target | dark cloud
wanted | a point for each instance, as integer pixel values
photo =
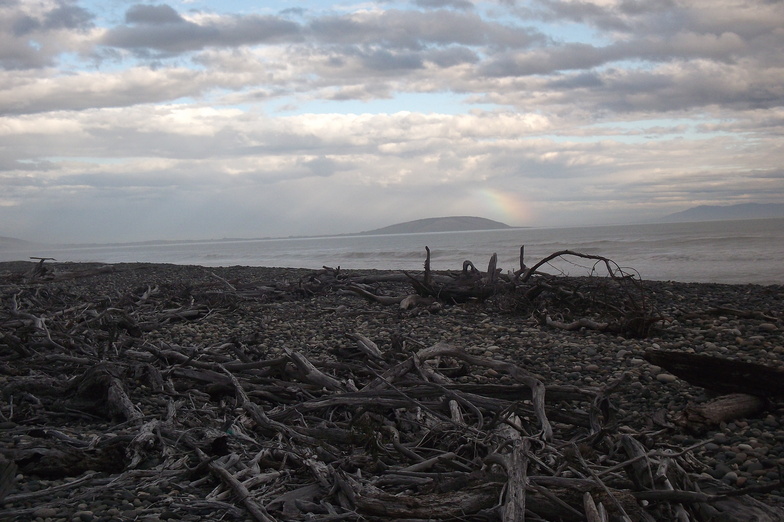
(438, 4)
(68, 17)
(726, 47)
(152, 15)
(25, 25)
(162, 30)
(383, 60)
(690, 86)
(624, 16)
(33, 38)
(451, 56)
(64, 16)
(548, 60)
(416, 30)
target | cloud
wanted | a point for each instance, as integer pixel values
(415, 30)
(438, 4)
(153, 15)
(160, 29)
(34, 35)
(24, 94)
(275, 121)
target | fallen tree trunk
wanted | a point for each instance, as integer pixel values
(719, 374)
(701, 417)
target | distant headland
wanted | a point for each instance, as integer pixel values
(727, 212)
(440, 224)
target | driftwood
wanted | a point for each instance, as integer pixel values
(381, 432)
(617, 301)
(610, 299)
(719, 374)
(7, 476)
(701, 417)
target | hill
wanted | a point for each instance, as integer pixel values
(11, 243)
(721, 212)
(440, 224)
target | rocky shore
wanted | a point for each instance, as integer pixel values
(251, 314)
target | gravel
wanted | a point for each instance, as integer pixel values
(699, 318)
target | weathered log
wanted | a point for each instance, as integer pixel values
(7, 476)
(576, 325)
(243, 495)
(701, 417)
(516, 465)
(381, 299)
(366, 345)
(593, 513)
(56, 460)
(514, 371)
(312, 374)
(472, 499)
(719, 374)
(469, 285)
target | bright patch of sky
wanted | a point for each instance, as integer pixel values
(657, 129)
(425, 103)
(86, 159)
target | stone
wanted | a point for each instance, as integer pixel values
(83, 516)
(730, 478)
(45, 512)
(752, 465)
(722, 469)
(666, 378)
(721, 438)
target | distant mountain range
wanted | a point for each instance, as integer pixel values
(727, 212)
(440, 224)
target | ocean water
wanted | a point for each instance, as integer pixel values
(747, 251)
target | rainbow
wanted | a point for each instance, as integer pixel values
(506, 206)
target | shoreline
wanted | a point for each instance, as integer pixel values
(258, 313)
(732, 252)
(22, 265)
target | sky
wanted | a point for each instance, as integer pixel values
(123, 121)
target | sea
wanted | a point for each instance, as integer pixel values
(736, 252)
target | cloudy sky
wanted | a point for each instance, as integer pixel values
(126, 121)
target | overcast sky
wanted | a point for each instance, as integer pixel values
(125, 121)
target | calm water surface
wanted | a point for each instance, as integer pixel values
(748, 251)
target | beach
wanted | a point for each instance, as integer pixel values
(183, 353)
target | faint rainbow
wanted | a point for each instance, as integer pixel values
(509, 207)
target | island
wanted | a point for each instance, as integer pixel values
(440, 224)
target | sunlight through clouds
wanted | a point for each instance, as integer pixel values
(269, 120)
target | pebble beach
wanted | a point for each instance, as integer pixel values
(697, 318)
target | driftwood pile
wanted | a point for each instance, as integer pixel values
(370, 435)
(611, 300)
